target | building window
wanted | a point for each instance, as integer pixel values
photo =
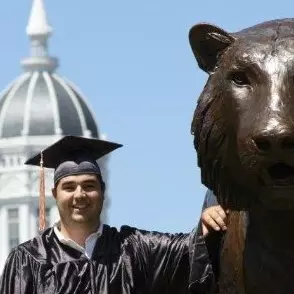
(13, 227)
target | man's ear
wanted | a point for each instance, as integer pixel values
(208, 42)
(53, 190)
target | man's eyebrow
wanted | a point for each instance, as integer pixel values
(74, 182)
(68, 182)
(90, 181)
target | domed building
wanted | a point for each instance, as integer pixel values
(36, 109)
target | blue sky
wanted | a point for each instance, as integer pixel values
(133, 62)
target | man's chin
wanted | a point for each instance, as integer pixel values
(80, 219)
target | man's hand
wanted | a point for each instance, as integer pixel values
(215, 218)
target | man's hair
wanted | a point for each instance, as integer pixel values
(99, 177)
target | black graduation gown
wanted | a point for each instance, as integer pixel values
(123, 262)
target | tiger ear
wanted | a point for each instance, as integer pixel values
(208, 42)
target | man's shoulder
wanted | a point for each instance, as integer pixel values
(120, 235)
(134, 234)
(124, 230)
(34, 247)
(154, 233)
(115, 230)
(131, 230)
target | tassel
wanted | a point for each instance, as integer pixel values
(42, 220)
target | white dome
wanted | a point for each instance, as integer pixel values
(43, 103)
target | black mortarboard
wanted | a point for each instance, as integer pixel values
(73, 155)
(70, 155)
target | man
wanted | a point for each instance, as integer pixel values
(81, 255)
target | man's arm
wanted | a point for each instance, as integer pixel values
(209, 200)
(172, 258)
(171, 263)
(175, 263)
(193, 258)
(16, 277)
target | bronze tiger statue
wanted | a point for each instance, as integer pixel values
(243, 129)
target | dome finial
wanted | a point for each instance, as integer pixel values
(38, 25)
(39, 31)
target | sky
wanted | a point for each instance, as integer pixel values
(132, 61)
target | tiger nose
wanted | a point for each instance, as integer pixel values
(280, 141)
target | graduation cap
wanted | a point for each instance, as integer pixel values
(71, 155)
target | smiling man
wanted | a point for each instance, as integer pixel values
(79, 199)
(81, 255)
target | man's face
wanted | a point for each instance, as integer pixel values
(79, 199)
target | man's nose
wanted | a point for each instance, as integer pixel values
(80, 192)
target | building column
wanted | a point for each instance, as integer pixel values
(24, 223)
